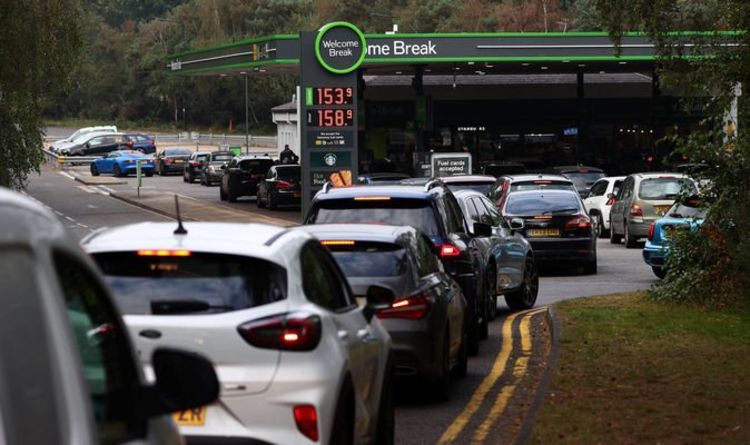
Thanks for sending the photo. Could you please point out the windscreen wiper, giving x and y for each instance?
(172, 307)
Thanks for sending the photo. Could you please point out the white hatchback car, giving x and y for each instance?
(298, 360)
(82, 131)
(599, 202)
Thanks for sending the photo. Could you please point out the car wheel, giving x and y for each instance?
(94, 170)
(259, 201)
(590, 268)
(614, 238)
(231, 196)
(660, 272)
(630, 242)
(386, 427)
(203, 181)
(116, 171)
(222, 195)
(271, 203)
(184, 177)
(442, 387)
(599, 226)
(525, 297)
(149, 174)
(342, 432)
(491, 294)
(462, 366)
(190, 178)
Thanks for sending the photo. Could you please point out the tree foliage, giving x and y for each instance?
(711, 266)
(39, 41)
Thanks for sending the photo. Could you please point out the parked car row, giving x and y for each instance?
(99, 143)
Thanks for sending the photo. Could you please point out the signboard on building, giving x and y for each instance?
(451, 164)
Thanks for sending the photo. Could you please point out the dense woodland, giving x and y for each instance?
(121, 76)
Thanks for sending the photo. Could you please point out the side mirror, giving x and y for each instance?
(88, 145)
(378, 298)
(517, 224)
(482, 229)
(184, 380)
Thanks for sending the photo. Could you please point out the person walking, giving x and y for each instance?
(287, 156)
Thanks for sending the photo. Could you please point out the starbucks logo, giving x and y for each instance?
(330, 159)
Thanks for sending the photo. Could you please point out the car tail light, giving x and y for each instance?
(651, 228)
(415, 307)
(306, 418)
(286, 332)
(578, 222)
(163, 252)
(636, 210)
(283, 185)
(611, 201)
(449, 251)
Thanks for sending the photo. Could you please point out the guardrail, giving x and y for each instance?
(64, 161)
(217, 139)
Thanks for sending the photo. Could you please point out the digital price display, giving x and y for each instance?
(327, 118)
(333, 96)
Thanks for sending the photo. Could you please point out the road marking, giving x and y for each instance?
(67, 175)
(455, 428)
(87, 189)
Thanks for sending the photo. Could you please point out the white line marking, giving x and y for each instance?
(70, 219)
(67, 175)
(87, 189)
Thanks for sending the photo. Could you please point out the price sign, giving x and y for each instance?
(333, 96)
(327, 118)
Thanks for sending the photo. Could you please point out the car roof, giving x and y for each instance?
(468, 178)
(358, 232)
(533, 176)
(261, 157)
(26, 222)
(577, 168)
(660, 174)
(257, 240)
(393, 191)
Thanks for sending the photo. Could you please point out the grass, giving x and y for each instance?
(635, 371)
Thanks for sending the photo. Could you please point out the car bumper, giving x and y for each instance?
(655, 255)
(172, 168)
(639, 229)
(414, 347)
(213, 177)
(288, 197)
(144, 169)
(559, 249)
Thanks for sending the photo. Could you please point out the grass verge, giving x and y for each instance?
(634, 371)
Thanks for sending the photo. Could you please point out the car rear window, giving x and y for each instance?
(584, 180)
(256, 165)
(289, 173)
(417, 213)
(664, 188)
(481, 187)
(529, 204)
(370, 259)
(538, 184)
(178, 152)
(200, 283)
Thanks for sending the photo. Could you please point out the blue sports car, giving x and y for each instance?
(686, 215)
(122, 163)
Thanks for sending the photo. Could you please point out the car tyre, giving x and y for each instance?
(342, 432)
(660, 272)
(271, 203)
(117, 171)
(614, 238)
(599, 226)
(630, 242)
(149, 174)
(222, 195)
(259, 201)
(203, 181)
(590, 268)
(462, 367)
(525, 297)
(472, 333)
(491, 295)
(231, 197)
(94, 170)
(442, 387)
(386, 428)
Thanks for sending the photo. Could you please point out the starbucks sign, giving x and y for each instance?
(340, 47)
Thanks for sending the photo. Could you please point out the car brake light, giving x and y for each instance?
(651, 228)
(636, 210)
(337, 242)
(306, 418)
(411, 308)
(286, 332)
(163, 252)
(283, 185)
(449, 251)
(372, 198)
(542, 181)
(578, 222)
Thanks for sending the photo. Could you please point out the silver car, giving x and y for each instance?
(67, 370)
(299, 361)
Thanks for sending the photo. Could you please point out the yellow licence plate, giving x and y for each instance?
(191, 417)
(661, 210)
(544, 232)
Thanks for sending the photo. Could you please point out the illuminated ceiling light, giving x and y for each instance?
(223, 75)
(427, 70)
(399, 72)
(623, 63)
(471, 63)
(456, 68)
(487, 65)
(602, 72)
(243, 72)
(525, 64)
(650, 131)
(262, 70)
(566, 61)
(545, 68)
(581, 65)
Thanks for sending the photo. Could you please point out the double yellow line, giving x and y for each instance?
(498, 368)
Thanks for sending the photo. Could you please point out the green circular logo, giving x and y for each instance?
(340, 47)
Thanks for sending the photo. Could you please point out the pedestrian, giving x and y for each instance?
(287, 156)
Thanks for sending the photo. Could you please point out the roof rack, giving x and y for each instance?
(326, 186)
(432, 183)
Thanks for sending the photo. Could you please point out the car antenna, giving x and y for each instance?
(180, 230)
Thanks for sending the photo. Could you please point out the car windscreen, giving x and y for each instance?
(196, 283)
(289, 173)
(664, 188)
(529, 204)
(481, 187)
(584, 180)
(417, 213)
(370, 259)
(539, 184)
(501, 170)
(222, 157)
(256, 165)
(178, 152)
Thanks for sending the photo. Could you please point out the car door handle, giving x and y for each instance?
(343, 335)
(150, 333)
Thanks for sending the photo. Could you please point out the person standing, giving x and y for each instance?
(287, 156)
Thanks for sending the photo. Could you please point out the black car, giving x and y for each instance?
(242, 176)
(99, 145)
(556, 224)
(433, 210)
(479, 183)
(194, 165)
(426, 319)
(171, 160)
(508, 255)
(535, 181)
(281, 186)
(582, 177)
(213, 167)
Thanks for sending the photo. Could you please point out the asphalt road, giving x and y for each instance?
(419, 420)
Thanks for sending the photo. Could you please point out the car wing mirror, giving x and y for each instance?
(184, 380)
(378, 298)
(482, 229)
(517, 224)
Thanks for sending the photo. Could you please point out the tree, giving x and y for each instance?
(710, 266)
(39, 42)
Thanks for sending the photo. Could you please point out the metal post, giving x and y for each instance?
(247, 130)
